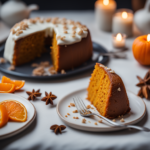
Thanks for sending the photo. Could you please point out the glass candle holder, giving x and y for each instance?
(123, 22)
(119, 40)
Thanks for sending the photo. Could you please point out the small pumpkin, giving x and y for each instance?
(141, 49)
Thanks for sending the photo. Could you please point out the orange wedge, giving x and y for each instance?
(3, 116)
(16, 110)
(18, 83)
(7, 88)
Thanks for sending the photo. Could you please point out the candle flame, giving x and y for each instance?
(124, 15)
(119, 37)
(105, 2)
(148, 37)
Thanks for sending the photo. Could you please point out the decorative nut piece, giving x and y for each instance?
(48, 19)
(38, 71)
(19, 32)
(45, 64)
(74, 32)
(84, 28)
(62, 38)
(80, 32)
(73, 35)
(75, 111)
(72, 104)
(108, 69)
(65, 32)
(100, 121)
(119, 89)
(58, 37)
(83, 120)
(74, 27)
(13, 31)
(32, 21)
(114, 120)
(122, 120)
(52, 70)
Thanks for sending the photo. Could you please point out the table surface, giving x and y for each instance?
(39, 136)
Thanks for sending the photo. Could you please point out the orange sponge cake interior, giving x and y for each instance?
(107, 92)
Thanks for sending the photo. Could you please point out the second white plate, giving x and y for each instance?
(13, 128)
(137, 105)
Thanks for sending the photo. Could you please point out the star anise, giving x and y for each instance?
(49, 98)
(56, 128)
(144, 85)
(33, 94)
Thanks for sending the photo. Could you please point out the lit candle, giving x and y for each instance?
(148, 38)
(104, 11)
(123, 22)
(119, 40)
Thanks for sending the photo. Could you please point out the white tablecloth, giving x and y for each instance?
(39, 136)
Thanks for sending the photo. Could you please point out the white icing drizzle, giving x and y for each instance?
(108, 69)
(67, 32)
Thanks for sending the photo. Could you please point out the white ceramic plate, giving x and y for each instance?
(13, 128)
(137, 105)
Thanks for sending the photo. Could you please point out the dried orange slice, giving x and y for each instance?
(18, 83)
(16, 110)
(3, 116)
(7, 88)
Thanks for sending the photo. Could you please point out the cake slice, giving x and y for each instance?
(106, 91)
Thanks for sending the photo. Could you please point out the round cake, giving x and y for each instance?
(70, 42)
(106, 91)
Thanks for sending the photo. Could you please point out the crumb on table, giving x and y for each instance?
(122, 120)
(88, 106)
(68, 105)
(95, 123)
(68, 114)
(100, 121)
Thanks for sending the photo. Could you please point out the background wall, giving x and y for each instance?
(72, 4)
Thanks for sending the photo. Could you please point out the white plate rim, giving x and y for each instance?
(84, 128)
(23, 127)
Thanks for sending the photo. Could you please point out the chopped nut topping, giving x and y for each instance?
(52, 70)
(73, 35)
(80, 32)
(71, 22)
(114, 120)
(75, 111)
(83, 120)
(34, 65)
(119, 89)
(24, 26)
(122, 120)
(2, 60)
(19, 32)
(74, 32)
(100, 121)
(108, 69)
(95, 123)
(72, 104)
(78, 23)
(13, 31)
(68, 114)
(63, 72)
(74, 27)
(62, 38)
(65, 27)
(68, 105)
(48, 19)
(38, 71)
(88, 106)
(41, 20)
(84, 29)
(32, 21)
(58, 37)
(65, 32)
(12, 68)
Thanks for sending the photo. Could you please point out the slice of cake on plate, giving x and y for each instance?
(106, 91)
